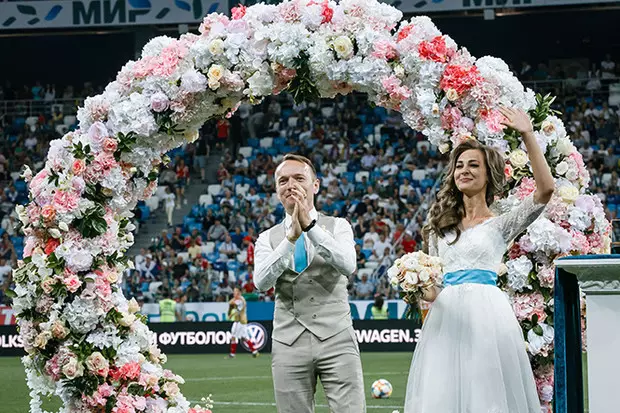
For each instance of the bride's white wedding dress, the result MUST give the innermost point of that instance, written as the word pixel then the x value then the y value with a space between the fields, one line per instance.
pixel 471 357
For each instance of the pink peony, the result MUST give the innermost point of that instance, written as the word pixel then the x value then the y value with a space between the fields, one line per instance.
pixel 526 187
pixel 526 306
pixel 384 49
pixel 451 118
pixel 580 242
pixel 493 119
pixel 65 201
pixel 546 277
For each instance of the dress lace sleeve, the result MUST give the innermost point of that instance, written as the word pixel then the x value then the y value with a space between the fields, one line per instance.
pixel 522 216
pixel 432 245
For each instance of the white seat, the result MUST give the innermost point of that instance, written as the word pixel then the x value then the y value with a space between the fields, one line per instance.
pixel 31 120
pixel 246 151
pixel 338 170
pixel 327 111
pixel 15 175
pixel 359 175
pixel 328 147
pixel 152 203
pixel 242 189
pixel 205 199
pixel 261 179
pixel 69 120
pixel 184 255
pixel 606 178
pixel 208 248
pixel 371 264
pixel 278 158
pixel 62 129
pixel 242 256
pixel 418 174
pixel 214 189
pixel 292 122
pixel 266 142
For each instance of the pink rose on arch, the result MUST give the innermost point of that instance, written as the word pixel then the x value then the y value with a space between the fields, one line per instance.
pixel 110 145
pixel 79 166
pixel 48 212
pixel 72 282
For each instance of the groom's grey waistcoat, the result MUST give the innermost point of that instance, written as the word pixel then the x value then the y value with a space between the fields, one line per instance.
pixel 315 299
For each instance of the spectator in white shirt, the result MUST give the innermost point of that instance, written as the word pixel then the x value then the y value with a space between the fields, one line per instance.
pixel 346 187
pixel 370 238
pixel 148 269
pixel 140 258
pixel 252 196
pixel 364 289
pixel 390 168
pixel 228 249
pixel 379 247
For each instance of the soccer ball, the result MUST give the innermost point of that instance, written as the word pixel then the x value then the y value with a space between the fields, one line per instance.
pixel 381 389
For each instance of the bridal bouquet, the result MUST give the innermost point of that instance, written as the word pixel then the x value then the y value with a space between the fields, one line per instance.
pixel 412 273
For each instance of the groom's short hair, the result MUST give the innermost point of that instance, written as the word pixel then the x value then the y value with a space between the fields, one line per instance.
pixel 298 158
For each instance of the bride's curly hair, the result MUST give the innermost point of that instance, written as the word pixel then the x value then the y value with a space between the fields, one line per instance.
pixel 448 210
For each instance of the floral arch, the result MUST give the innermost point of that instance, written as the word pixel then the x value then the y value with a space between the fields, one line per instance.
pixel 83 339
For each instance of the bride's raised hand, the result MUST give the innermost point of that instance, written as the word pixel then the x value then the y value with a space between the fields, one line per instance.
pixel 516 119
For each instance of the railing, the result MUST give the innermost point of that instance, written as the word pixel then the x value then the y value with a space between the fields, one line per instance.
pixel 572 87
pixel 26 108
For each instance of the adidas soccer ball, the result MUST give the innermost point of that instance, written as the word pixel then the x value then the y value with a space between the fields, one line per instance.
pixel 381 389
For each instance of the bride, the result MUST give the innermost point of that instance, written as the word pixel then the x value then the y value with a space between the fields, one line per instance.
pixel 471 357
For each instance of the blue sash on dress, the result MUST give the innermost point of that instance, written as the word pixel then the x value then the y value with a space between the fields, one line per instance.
pixel 473 276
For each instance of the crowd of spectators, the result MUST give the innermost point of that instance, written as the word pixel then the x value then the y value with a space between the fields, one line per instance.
pixel 375 171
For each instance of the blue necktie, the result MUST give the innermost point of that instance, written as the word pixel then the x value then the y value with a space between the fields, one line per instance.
pixel 301 259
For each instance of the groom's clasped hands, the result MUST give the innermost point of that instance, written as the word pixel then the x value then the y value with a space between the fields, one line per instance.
pixel 301 215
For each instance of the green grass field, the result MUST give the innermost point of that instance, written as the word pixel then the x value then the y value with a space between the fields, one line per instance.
pixel 242 385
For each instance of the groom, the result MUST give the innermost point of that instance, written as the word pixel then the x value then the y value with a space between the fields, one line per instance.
pixel 308 258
